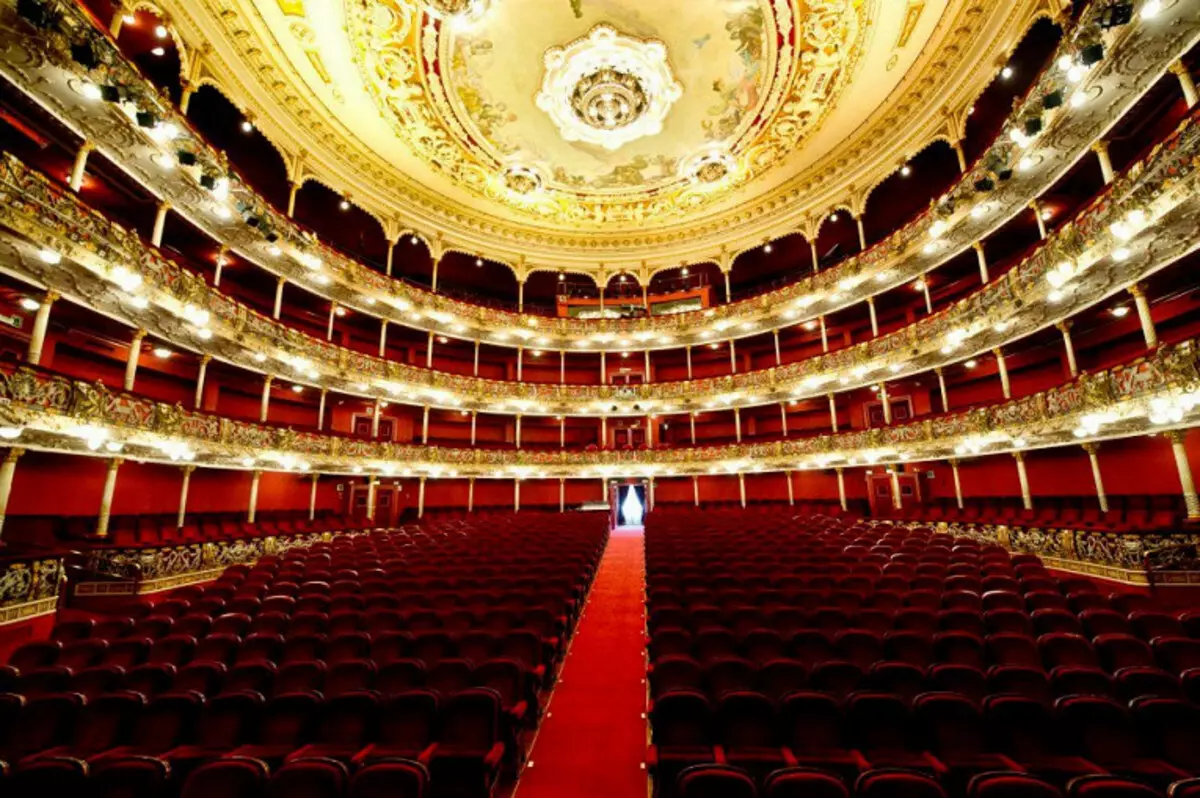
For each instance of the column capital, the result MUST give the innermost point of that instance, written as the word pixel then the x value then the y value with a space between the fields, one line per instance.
pixel 268 378
pixel 281 279
pixel 977 246
pixel 14 454
pixel 839 469
pixel 953 461
pixel 1090 447
pixel 998 352
pixel 258 472
pixel 423 478
pixel 1019 456
pixel 115 462
pixel 938 370
pixel 187 469
pixel 164 205
pixel 50 297
pixel 324 392
pixel 1064 326
pixel 139 334
pixel 1100 146
pixel 314 476
pixel 87 145
pixel 1179 69
pixel 205 359
pixel 1177 435
pixel 1035 206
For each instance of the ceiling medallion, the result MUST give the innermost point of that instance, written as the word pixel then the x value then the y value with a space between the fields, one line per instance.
pixel 608 89
pixel 521 180
pixel 710 169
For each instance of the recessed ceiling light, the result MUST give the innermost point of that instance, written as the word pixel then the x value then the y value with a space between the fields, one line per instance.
pixel 158 51
pixel 29 303
pixel 1006 73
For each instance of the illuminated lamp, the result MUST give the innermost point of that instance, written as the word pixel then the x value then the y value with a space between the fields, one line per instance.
pixel 1092 54
pixel 1052 100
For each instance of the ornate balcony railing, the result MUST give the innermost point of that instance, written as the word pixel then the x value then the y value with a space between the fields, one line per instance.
pixel 1153 394
pixel 29 587
pixel 1142 223
pixel 48 73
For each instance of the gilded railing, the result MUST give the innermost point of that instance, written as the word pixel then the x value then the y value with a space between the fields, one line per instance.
pixel 29 587
pixel 1158 392
pixel 167 299
pixel 1066 132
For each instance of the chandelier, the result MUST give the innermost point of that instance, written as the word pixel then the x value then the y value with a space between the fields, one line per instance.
pixel 607 88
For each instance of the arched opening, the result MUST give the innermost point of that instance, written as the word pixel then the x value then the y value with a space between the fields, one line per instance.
pixel 341 223
pixel 785 260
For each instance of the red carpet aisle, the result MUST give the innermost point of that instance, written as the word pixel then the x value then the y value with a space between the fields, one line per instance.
pixel 594 742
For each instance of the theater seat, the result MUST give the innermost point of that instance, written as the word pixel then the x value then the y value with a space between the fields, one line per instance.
pixel 1010 784
pixel 714 781
pixel 803 783
pixel 231 777
pixel 394 778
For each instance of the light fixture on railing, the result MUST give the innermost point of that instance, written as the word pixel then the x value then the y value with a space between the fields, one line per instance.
pixel 10 433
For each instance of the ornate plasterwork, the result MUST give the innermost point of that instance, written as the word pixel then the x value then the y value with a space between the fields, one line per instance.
pixel 980 32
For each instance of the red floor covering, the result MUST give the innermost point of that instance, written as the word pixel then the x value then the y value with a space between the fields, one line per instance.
pixel 594 741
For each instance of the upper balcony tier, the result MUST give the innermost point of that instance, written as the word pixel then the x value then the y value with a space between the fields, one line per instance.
pixel 1142 223
pixel 1070 114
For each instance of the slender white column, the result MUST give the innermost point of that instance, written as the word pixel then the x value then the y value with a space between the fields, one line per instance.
pixel 383 329
pixel 1037 214
pixel 429 355
pixel 941 375
pixel 132 358
pixel 1002 368
pixel 321 409
pixel 1140 299
pixel 201 375
pixel 562 366
pixel 897 502
pixel 1106 167
pixel 1092 450
pixel 1023 476
pixel 391 256
pixel 293 190
pixel 520 361
pixel 518 430
pixel 649 432
pixel 106 498
pixel 732 356
pixel 421 498
pixel 471 494
pixel 791 489
pixel 562 432
pixel 80 166
pixel 516 495
pixel 728 288
pixel 833 412
pixel 425 426
pixel 603 432
pixel 434 278
pixel 647 365
pixel 742 488
pixel 312 497
pixel 783 418
pixel 41 323
pixel 696 491
pixel 8 470
pixel 1186 83
pixel 958 494
pixel 476 372
pixel 841 478
pixel 333 306
pixel 737 423
pixel 778 351
pixel 371 494
pixel 1065 328
pixel 562 494
pixel 862 233
pixel 816 257
pixel 688 350
pixel 928 298
pixel 252 508
pixel 1190 499
pixel 983 264
pixel 824 334
pixel 265 405
pixel 183 495
pixel 278 309
pixel 650 494
pixel 962 156
pixel 474 418
pixel 692 419
pixel 603 369
pixel 376 412
pixel 521 296
pixel 874 317
pixel 887 405
pixel 160 223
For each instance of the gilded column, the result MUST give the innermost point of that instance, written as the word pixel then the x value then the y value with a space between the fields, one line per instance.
pixel 1065 328
pixel 421 497
pixel 1023 477
pixel 862 233
pixel 732 357
pixel 692 420
pixel 742 488
pixel 429 355
pixel 897 502
pixel 562 366
pixel 833 412
pixel 372 491
pixel 391 256
pixel 383 328
pixel 941 375
pixel 80 166
pixel 841 479
pixel 106 498
pixel 252 509
pixel 816 257
pixel 278 309
pixel 562 494
pixel 874 317
pixel 474 417
pixel 520 362
pixel 518 430
pixel 1037 214
pixel 603 432
pixel 476 372
pixel 1186 83
pixel 962 156
pixel 425 426
pixel 887 404
pixel 791 489
pixel 333 306
pixel 517 495
pixel 1002 368
pixel 1138 291
pixel 1092 450
pixel 650 494
pixel 41 322
pixel 293 190
pixel 737 424
pixel 824 334
pixel 958 494
pixel 434 278
pixel 696 490
pixel 783 418
pixel 983 264
pixel 1106 167
pixel 1190 499
pixel 688 350
pixel 562 432
pixel 183 494
pixel 470 494
pixel 8 470
pixel 160 223
pixel 928 298
pixel 265 406
pixel 321 410
pixel 200 377
pixel 376 411
pixel 778 351
pixel 312 497
pixel 131 359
